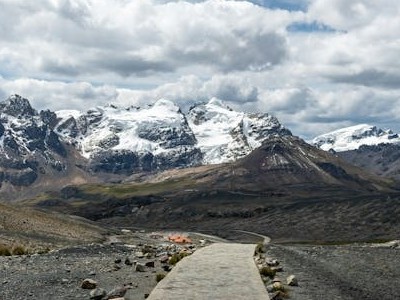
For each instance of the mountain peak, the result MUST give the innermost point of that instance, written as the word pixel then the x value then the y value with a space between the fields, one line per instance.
pixel 219 103
pixel 353 137
pixel 16 106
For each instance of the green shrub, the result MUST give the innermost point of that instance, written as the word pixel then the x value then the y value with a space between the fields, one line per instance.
pixel 159 277
pixel 267 272
pixel 4 251
pixel 177 257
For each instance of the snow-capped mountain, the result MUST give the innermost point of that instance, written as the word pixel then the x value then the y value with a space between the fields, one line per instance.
pixel 352 138
pixel 28 144
pixel 37 147
pixel 225 135
pixel 160 136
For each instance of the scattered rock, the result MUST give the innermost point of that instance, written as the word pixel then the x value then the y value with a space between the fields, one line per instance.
pixel 88 284
pixel 292 281
pixel 167 268
pixel 277 296
pixel 116 268
pixel 272 263
pixel 64 281
pixel 117 261
pixel 98 294
pixel 92 273
pixel 164 259
pixel 277 269
pixel 146 296
pixel 119 291
pixel 139 267
pixel 128 262
pixel 150 264
pixel 139 254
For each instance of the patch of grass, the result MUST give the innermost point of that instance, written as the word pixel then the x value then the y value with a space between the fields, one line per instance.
pixel 177 257
pixel 19 250
pixel 267 272
pixel 5 251
pixel 160 276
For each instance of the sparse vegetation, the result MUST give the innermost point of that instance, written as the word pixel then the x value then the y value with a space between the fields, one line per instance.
pixel 177 257
pixel 160 276
pixel 260 248
pixel 4 250
pixel 267 272
pixel 16 250
pixel 19 250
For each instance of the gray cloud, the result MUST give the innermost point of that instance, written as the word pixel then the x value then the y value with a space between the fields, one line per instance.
pixel 371 78
pixel 140 38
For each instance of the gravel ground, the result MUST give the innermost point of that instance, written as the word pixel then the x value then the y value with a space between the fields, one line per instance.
pixel 59 274
pixel 340 272
pixel 324 272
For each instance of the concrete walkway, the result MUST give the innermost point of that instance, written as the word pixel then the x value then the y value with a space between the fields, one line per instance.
pixel 218 272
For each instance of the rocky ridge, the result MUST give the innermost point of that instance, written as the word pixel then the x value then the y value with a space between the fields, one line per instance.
pixel 36 147
pixel 352 138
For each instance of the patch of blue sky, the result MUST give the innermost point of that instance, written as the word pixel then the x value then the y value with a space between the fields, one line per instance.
pixel 290 5
pixel 310 27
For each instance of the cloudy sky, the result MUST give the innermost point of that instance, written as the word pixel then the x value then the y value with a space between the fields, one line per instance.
pixel 317 65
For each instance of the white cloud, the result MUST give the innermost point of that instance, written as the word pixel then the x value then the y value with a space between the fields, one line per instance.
pixel 57 95
pixel 81 53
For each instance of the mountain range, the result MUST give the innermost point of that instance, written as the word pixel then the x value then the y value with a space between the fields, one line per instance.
pixel 210 167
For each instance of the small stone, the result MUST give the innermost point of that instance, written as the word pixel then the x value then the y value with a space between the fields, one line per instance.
pixel 277 286
pixel 277 296
pixel 128 262
pixel 117 261
pixel 150 264
pixel 276 279
pixel 139 254
pixel 116 268
pixel 68 270
pixel 5 282
pixel 88 284
pixel 270 288
pixel 146 296
pixel 64 281
pixel 164 259
pixel 98 294
pixel 92 273
pixel 277 269
pixel 139 268
pixel 273 263
pixel 292 280
pixel 167 268
pixel 118 292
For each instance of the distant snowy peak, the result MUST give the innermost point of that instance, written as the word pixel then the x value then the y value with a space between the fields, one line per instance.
pixel 351 138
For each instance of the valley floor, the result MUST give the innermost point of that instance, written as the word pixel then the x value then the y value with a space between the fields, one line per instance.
pixel 324 272
pixel 341 272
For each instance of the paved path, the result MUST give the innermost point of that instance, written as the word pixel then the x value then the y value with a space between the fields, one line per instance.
pixel 218 272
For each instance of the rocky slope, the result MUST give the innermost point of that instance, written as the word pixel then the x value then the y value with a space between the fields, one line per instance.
pixel 285 188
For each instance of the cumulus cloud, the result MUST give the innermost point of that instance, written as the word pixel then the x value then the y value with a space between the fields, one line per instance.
pixel 79 37
pixel 57 95
pixel 257 55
